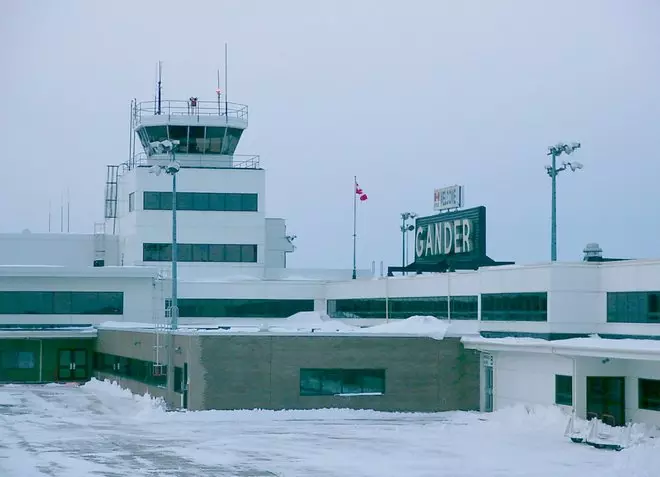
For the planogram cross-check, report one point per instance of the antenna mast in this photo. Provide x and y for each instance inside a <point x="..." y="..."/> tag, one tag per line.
<point x="226" y="106"/>
<point x="160" y="75"/>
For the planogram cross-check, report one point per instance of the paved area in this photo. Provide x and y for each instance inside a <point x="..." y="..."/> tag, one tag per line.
<point x="63" y="431"/>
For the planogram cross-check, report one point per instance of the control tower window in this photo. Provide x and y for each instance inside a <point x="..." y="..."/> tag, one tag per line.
<point x="180" y="133"/>
<point x="197" y="142"/>
<point x="215" y="137"/>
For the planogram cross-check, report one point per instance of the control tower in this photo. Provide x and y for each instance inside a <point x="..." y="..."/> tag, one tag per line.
<point x="221" y="224"/>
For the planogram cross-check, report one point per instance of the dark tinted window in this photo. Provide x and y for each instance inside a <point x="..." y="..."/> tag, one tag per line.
<point x="180" y="133"/>
<point x="649" y="394"/>
<point x="564" y="390"/>
<point x="215" y="136"/>
<point x="514" y="306"/>
<point x="161" y="252"/>
<point x="61" y="302"/>
<point x="330" y="382"/>
<point x="633" y="307"/>
<point x="241" y="308"/>
<point x="197" y="143"/>
<point x="222" y="202"/>
<point x="462" y="307"/>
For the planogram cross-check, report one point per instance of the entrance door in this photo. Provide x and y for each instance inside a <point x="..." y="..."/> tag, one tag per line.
<point x="72" y="364"/>
<point x="184" y="386"/>
<point x="488" y="382"/>
<point x="606" y="399"/>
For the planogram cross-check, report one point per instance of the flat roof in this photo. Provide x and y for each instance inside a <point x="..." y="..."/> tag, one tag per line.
<point x="593" y="346"/>
<point x="77" y="272"/>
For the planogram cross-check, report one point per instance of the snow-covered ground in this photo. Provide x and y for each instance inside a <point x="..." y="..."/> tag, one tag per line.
<point x="100" y="430"/>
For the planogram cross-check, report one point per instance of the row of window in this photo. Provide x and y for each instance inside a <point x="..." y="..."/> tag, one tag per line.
<point x="633" y="307"/>
<point x="462" y="307"/>
<point x="61" y="303"/>
<point x="16" y="359"/>
<point x="238" y="308"/>
<point x="221" y="202"/>
<point x="200" y="252"/>
<point x="514" y="306"/>
<point x="194" y="139"/>
<point x="648" y="392"/>
<point x="332" y="382"/>
<point x="136" y="369"/>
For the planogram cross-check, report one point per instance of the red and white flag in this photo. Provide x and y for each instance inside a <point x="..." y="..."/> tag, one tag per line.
<point x="360" y="193"/>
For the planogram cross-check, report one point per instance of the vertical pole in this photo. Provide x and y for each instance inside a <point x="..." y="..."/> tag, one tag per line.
<point x="68" y="212"/>
<point x="553" y="220"/>
<point x="226" y="62"/>
<point x="403" y="243"/>
<point x="449" y="295"/>
<point x="354" y="224"/>
<point x="41" y="361"/>
<point x="387" y="299"/>
<point x="175" y="304"/>
<point x="160" y="69"/>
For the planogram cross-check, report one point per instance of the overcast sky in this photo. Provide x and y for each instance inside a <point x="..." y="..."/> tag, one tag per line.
<point x="408" y="96"/>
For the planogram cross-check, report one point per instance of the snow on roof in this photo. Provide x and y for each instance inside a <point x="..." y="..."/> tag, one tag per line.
<point x="309" y="322"/>
<point x="594" y="345"/>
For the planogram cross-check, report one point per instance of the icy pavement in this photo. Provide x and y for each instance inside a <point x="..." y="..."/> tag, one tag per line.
<point x="100" y="430"/>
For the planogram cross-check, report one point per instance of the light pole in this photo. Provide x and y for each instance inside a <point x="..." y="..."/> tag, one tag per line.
<point x="552" y="170"/>
<point x="405" y="216"/>
<point x="169" y="147"/>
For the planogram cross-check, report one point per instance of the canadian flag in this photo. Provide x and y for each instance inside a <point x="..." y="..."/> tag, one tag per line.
<point x="360" y="192"/>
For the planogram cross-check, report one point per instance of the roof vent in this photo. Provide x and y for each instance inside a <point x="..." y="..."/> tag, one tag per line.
<point x="592" y="251"/>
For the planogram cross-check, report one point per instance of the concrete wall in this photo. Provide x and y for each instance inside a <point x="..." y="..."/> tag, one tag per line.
<point x="141" y="345"/>
<point x="422" y="374"/>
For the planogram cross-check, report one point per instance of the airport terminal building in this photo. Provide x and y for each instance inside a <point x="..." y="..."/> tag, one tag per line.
<point x="583" y="335"/>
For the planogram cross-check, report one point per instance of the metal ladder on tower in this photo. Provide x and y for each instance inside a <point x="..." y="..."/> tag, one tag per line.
<point x="111" y="193"/>
<point x="161" y="318"/>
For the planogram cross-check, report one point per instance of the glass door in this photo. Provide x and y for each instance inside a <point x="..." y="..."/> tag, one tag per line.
<point x="606" y="399"/>
<point x="72" y="364"/>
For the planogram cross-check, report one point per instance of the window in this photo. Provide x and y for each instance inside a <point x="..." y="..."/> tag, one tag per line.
<point x="649" y="394"/>
<point x="564" y="390"/>
<point x="241" y="308"/>
<point x="131" y="202"/>
<point x="201" y="201"/>
<point x="514" y="306"/>
<point x="332" y="382"/>
<point x="17" y="360"/>
<point x="462" y="307"/>
<point x="196" y="142"/>
<point x="162" y="252"/>
<point x="61" y="303"/>
<point x="633" y="307"/>
<point x="136" y="369"/>
<point x="179" y="133"/>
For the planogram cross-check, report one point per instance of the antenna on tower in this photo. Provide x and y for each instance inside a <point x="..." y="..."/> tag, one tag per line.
<point x="160" y="75"/>
<point x="218" y="92"/>
<point x="68" y="211"/>
<point x="226" y="105"/>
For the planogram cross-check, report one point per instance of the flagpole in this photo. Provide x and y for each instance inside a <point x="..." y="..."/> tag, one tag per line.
<point x="354" y="224"/>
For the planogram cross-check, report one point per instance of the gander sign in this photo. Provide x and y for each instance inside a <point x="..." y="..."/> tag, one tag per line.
<point x="460" y="234"/>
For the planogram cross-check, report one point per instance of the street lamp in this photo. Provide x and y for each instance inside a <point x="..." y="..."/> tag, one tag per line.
<point x="405" y="216"/>
<point x="172" y="167"/>
<point x="552" y="170"/>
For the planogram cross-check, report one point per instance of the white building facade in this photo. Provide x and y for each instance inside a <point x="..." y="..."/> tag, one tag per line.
<point x="531" y="323"/>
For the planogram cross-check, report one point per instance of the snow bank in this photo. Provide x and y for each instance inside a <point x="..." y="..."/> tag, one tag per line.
<point x="311" y="321"/>
<point x="415" y="325"/>
<point x="112" y="394"/>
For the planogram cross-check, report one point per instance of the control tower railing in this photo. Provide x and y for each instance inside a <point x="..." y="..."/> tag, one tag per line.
<point x="237" y="161"/>
<point x="189" y="108"/>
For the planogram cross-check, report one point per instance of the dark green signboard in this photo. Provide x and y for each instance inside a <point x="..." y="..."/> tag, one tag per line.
<point x="460" y="235"/>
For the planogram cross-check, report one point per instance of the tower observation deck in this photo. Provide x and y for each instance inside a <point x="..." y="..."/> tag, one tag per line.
<point x="208" y="132"/>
